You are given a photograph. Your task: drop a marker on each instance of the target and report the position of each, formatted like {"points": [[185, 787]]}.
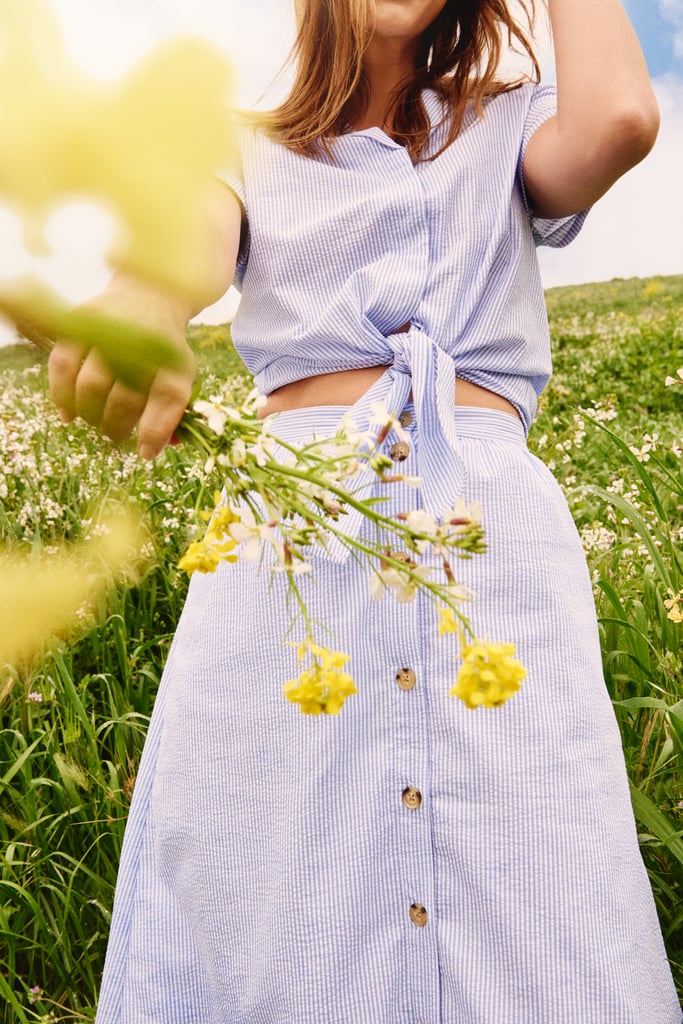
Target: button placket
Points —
{"points": [[414, 842], [412, 797], [417, 816], [418, 915], [406, 679], [409, 793], [399, 451]]}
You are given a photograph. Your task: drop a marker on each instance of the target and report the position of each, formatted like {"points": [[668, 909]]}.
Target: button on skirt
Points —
{"points": [[409, 861]]}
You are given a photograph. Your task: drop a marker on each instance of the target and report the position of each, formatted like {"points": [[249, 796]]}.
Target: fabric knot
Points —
{"points": [[421, 366], [401, 346]]}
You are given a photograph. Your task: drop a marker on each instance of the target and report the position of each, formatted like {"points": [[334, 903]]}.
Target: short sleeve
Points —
{"points": [[553, 231], [234, 179]]}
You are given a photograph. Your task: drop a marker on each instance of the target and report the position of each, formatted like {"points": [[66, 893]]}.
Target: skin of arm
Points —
{"points": [[607, 117], [81, 382]]}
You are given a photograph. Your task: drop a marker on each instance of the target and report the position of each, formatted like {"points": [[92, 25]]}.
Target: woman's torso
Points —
{"points": [[338, 255]]}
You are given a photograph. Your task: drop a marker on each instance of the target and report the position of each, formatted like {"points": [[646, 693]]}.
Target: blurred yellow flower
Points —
{"points": [[146, 146], [41, 597], [322, 688], [216, 545], [489, 674], [447, 620], [199, 557], [674, 606], [653, 288]]}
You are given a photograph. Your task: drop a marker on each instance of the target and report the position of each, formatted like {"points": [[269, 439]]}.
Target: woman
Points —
{"points": [[410, 860]]}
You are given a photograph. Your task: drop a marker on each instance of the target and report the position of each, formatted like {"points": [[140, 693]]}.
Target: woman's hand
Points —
{"points": [[113, 390], [153, 392]]}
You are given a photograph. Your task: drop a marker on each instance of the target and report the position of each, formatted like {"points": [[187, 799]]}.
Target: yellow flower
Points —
{"points": [[144, 146], [43, 596], [447, 621], [674, 604], [322, 688], [217, 544], [219, 526], [199, 557], [489, 674]]}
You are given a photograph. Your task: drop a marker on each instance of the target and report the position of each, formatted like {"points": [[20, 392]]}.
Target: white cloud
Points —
{"points": [[107, 36], [258, 37], [672, 11], [634, 231]]}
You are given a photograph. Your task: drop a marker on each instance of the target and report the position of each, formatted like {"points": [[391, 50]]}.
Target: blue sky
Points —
{"points": [[657, 33]]}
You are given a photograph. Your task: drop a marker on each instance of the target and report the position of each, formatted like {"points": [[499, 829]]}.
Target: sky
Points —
{"points": [[633, 231]]}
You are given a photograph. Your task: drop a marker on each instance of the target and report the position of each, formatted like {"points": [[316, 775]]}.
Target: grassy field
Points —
{"points": [[73, 721]]}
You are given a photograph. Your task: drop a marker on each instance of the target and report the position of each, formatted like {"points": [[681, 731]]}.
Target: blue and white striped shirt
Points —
{"points": [[337, 255]]}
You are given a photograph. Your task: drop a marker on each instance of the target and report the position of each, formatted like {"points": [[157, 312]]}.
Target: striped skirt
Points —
{"points": [[409, 861]]}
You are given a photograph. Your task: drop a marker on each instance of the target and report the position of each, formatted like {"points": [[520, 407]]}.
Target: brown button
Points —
{"points": [[403, 556], [400, 451], [406, 418], [405, 679], [412, 797], [418, 914]]}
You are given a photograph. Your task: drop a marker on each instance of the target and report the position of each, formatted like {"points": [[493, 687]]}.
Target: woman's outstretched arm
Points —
{"points": [[607, 117], [83, 384]]}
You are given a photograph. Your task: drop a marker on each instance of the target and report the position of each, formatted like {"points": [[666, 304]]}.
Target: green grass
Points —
{"points": [[73, 724]]}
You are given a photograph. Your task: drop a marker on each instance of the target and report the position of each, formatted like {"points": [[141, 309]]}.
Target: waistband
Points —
{"points": [[322, 421]]}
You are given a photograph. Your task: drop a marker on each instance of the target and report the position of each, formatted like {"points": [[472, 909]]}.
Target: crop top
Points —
{"points": [[338, 254]]}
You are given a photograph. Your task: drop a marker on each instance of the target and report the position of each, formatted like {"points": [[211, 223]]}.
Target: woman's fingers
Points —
{"points": [[82, 384], [166, 402], [64, 366], [93, 384], [122, 410]]}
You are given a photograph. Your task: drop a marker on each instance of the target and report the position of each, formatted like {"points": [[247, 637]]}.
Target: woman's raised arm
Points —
{"points": [[607, 117], [83, 384]]}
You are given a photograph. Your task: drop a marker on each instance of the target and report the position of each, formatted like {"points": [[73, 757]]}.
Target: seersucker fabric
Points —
{"points": [[339, 254], [409, 861]]}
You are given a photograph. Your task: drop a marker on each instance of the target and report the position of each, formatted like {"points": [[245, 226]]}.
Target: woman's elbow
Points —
{"points": [[632, 132]]}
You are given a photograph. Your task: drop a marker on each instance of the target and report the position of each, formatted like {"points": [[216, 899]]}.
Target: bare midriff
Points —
{"points": [[345, 387]]}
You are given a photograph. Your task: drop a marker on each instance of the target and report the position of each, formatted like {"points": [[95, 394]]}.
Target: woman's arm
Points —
{"points": [[81, 382], [607, 117]]}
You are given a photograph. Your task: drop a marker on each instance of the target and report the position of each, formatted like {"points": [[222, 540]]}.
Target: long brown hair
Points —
{"points": [[458, 57]]}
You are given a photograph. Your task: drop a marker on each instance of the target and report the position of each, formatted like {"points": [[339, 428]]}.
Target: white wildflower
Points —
{"points": [[649, 445], [263, 448], [402, 584], [421, 522], [381, 417], [297, 567], [460, 519], [350, 434], [251, 533], [597, 538], [213, 411]]}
